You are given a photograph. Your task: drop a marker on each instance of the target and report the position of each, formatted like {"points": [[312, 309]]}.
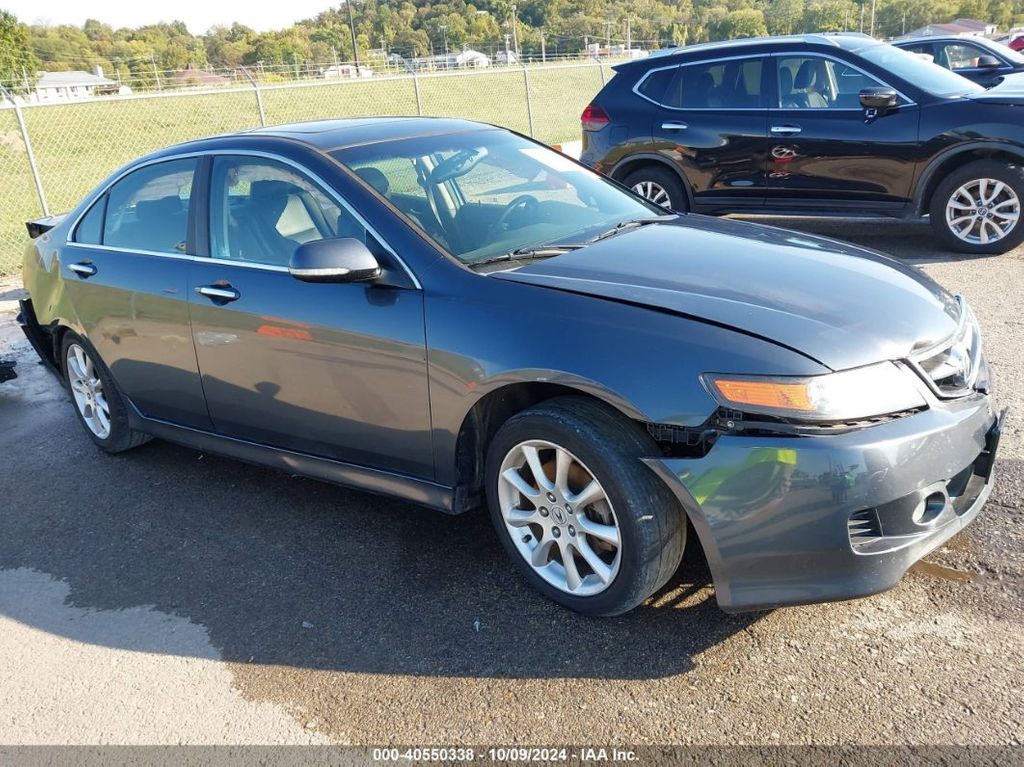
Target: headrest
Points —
{"points": [[806, 74], [785, 80], [375, 178], [271, 197], [152, 211]]}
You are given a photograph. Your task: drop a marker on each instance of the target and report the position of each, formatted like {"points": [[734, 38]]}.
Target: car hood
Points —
{"points": [[1010, 90], [841, 305]]}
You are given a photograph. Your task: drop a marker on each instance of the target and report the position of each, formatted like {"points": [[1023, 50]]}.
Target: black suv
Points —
{"points": [[984, 61], [815, 125]]}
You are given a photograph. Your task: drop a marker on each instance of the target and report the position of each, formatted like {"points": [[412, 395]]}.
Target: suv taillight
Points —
{"points": [[594, 118]]}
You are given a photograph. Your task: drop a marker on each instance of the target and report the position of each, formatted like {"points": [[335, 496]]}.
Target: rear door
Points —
{"points": [[824, 148], [125, 271], [712, 124], [334, 370]]}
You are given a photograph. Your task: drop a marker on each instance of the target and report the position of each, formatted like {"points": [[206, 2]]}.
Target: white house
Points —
{"points": [[68, 86], [345, 71]]}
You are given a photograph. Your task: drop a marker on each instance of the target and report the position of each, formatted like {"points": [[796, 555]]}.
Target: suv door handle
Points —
{"points": [[786, 130], [221, 295], [83, 269], [674, 126]]}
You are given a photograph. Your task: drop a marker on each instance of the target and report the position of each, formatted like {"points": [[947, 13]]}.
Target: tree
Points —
{"points": [[18, 63], [784, 17], [746, 22]]}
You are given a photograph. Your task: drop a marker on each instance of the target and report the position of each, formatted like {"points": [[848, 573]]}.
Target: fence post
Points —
{"points": [[529, 103], [600, 65], [28, 151], [416, 86], [259, 97]]}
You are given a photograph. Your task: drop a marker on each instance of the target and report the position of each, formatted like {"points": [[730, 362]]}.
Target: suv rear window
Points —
{"points": [[656, 83], [732, 84]]}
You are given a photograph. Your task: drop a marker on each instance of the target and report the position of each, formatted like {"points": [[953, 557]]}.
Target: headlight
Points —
{"points": [[849, 395]]}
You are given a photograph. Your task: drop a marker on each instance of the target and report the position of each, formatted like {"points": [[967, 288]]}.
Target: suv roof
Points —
{"points": [[851, 41]]}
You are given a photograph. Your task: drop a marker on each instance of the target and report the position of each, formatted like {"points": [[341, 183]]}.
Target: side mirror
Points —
{"points": [[878, 99], [341, 259], [988, 62]]}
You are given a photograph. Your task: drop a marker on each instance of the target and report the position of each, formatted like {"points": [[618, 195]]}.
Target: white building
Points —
{"points": [[345, 71], [69, 86], [467, 59]]}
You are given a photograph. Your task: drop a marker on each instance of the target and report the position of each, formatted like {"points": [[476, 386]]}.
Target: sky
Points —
{"points": [[198, 15]]}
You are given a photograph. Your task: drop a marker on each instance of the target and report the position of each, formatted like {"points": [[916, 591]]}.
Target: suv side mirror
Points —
{"points": [[988, 62], [340, 259], [878, 99]]}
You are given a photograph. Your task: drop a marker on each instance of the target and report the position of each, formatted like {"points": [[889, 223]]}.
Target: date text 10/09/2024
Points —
{"points": [[503, 754]]}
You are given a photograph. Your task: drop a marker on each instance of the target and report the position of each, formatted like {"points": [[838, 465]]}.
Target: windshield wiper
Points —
{"points": [[526, 254], [631, 224]]}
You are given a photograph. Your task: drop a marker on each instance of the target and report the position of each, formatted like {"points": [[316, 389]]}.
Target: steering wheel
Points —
{"points": [[524, 201]]}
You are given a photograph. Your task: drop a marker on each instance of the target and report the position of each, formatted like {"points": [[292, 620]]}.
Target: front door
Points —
{"points": [[712, 124], [125, 271], [824, 147], [334, 370]]}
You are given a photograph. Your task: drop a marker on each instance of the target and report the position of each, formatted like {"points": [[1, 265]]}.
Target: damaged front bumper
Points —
{"points": [[793, 520]]}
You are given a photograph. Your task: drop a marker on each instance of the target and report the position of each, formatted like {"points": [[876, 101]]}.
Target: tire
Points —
{"points": [[969, 185], [651, 180], [602, 445], [88, 398]]}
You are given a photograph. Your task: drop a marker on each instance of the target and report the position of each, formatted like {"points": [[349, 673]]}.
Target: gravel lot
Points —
{"points": [[167, 596]]}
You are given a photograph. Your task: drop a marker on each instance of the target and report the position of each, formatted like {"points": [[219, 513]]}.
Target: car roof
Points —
{"points": [[955, 38], [341, 133], [851, 41]]}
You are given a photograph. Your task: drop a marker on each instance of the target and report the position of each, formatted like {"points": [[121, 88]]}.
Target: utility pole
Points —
{"points": [[444, 32], [337, 66], [156, 74], [543, 49], [629, 36], [352, 29], [295, 62], [508, 58], [515, 33], [904, 23], [873, 18], [861, 30]]}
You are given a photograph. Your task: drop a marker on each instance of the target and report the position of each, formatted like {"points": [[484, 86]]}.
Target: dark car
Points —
{"points": [[456, 315], [815, 125], [984, 61]]}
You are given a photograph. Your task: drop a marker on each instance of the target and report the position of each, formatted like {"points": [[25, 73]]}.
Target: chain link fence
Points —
{"points": [[70, 147]]}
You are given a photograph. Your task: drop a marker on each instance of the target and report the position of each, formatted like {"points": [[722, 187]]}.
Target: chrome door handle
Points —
{"points": [[674, 126], [83, 269], [223, 295], [786, 130]]}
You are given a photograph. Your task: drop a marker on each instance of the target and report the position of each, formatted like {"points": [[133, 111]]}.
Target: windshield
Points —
{"points": [[486, 193], [927, 76]]}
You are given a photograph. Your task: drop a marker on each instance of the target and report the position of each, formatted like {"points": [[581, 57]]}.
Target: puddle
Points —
{"points": [[941, 571]]}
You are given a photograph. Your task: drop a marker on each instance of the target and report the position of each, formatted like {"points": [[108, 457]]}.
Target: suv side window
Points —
{"points": [[733, 84], [812, 82], [148, 208], [262, 210], [655, 85]]}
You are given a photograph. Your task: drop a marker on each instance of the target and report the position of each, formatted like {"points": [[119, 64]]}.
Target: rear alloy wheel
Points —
{"points": [[97, 401], [977, 208], [658, 185], [583, 519]]}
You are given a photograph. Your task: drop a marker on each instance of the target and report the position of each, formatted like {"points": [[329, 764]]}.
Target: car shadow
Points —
{"points": [[293, 572]]}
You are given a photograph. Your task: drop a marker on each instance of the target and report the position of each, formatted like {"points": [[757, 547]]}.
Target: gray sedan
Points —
{"points": [[456, 315]]}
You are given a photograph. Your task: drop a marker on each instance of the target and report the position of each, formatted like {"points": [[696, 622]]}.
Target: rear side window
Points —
{"points": [[90, 228], [656, 84], [732, 84], [148, 209]]}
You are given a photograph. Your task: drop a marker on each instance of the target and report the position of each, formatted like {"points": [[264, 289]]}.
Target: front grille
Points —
{"points": [[953, 367]]}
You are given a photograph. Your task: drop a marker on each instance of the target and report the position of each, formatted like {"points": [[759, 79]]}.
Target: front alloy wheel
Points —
{"points": [[983, 211], [559, 518], [583, 519], [653, 192], [976, 208]]}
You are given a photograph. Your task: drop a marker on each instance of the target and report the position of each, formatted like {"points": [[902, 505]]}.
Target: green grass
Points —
{"points": [[78, 144]]}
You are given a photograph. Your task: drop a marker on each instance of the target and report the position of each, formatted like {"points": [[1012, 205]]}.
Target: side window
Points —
{"points": [[90, 228], [812, 82], [148, 209], [655, 85], [959, 55], [732, 84], [262, 210]]}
